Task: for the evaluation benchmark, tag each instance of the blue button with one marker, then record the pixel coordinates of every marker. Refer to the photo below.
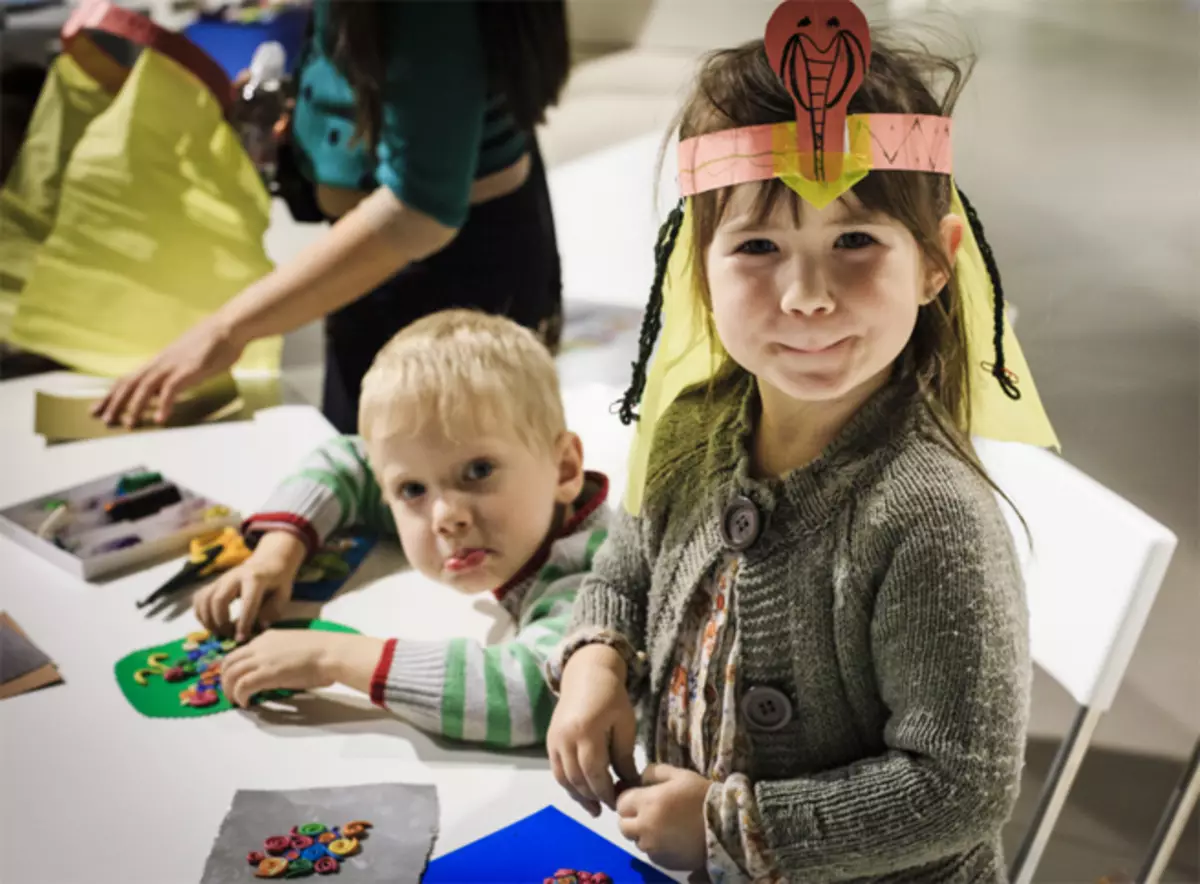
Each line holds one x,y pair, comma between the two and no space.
314,853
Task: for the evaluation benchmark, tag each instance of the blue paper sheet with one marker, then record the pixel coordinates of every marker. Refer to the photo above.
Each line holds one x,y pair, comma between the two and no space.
533,849
332,565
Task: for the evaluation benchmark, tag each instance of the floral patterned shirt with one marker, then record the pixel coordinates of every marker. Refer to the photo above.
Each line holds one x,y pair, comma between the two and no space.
698,729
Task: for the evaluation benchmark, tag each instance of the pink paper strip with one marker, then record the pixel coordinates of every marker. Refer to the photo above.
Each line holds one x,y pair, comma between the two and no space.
899,142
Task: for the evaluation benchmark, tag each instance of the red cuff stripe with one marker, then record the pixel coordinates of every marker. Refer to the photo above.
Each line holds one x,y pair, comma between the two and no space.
307,532
379,679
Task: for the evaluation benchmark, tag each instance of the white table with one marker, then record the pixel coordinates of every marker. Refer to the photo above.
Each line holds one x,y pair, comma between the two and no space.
90,791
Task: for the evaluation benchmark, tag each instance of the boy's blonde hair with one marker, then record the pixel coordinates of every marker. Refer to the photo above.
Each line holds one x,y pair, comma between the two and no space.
466,372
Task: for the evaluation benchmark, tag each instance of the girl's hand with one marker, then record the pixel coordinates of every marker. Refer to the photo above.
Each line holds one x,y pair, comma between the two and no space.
202,352
664,817
298,660
593,729
263,582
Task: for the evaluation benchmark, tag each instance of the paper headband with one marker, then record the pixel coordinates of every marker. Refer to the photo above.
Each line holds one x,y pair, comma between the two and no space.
820,49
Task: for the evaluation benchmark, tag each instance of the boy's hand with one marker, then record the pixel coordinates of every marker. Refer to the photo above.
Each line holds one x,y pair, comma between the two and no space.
298,660
664,817
593,728
263,582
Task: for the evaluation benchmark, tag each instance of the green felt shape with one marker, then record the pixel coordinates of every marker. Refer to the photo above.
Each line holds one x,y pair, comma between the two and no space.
159,698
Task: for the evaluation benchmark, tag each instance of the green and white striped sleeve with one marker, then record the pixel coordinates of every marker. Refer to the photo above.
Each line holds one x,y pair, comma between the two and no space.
490,694
333,489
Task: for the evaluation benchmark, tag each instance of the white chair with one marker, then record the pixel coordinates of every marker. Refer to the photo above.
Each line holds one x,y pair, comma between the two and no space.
1174,818
1095,566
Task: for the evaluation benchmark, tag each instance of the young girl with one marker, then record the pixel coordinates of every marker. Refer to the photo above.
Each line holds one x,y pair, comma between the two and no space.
812,597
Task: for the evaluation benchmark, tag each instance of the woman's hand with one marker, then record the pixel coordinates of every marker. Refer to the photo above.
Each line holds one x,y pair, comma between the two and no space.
664,817
203,351
298,660
593,729
263,582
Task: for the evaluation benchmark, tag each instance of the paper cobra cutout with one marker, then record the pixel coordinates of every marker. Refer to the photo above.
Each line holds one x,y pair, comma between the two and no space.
820,50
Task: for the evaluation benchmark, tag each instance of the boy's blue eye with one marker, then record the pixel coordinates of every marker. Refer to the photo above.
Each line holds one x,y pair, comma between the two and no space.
757,247
478,470
411,490
855,239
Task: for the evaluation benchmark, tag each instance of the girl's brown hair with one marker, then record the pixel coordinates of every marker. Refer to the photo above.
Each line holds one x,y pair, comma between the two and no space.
525,44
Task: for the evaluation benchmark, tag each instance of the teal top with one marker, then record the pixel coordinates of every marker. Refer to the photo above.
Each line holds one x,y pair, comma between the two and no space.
441,128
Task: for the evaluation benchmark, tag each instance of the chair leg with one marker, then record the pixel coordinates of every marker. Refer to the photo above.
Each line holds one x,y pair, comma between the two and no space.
1054,794
1174,818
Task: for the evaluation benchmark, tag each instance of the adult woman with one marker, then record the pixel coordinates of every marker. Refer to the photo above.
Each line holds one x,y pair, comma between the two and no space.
415,121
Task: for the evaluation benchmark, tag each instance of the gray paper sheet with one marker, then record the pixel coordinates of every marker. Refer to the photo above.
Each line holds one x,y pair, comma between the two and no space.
395,851
18,655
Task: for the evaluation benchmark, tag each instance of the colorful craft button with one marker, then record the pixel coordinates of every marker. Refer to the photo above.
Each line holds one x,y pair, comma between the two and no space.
301,842
211,647
228,645
299,868
326,865
278,844
355,829
271,867
142,674
326,837
292,855
314,853
204,698
312,830
195,654
199,637
157,661
343,847
175,673
254,857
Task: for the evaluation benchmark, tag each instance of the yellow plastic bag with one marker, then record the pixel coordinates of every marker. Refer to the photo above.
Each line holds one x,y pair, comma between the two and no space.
160,221
78,88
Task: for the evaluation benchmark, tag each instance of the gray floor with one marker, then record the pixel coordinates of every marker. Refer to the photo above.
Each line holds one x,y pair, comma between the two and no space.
1077,141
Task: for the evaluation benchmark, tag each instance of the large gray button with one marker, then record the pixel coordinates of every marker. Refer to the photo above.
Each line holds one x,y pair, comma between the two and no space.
766,709
741,523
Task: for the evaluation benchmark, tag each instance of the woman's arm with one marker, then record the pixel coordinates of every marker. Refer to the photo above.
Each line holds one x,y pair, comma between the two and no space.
368,245
362,249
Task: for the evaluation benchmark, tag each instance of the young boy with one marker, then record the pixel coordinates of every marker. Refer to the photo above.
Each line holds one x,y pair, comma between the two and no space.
464,454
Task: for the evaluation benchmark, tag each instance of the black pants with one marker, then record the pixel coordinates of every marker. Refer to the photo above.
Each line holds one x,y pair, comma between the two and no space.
504,261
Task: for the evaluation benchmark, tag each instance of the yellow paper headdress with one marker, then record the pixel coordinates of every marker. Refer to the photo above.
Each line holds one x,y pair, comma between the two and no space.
821,50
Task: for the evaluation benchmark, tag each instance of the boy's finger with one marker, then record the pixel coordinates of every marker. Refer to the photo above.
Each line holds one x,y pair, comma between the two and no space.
252,599
200,605
221,603
272,608
256,681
